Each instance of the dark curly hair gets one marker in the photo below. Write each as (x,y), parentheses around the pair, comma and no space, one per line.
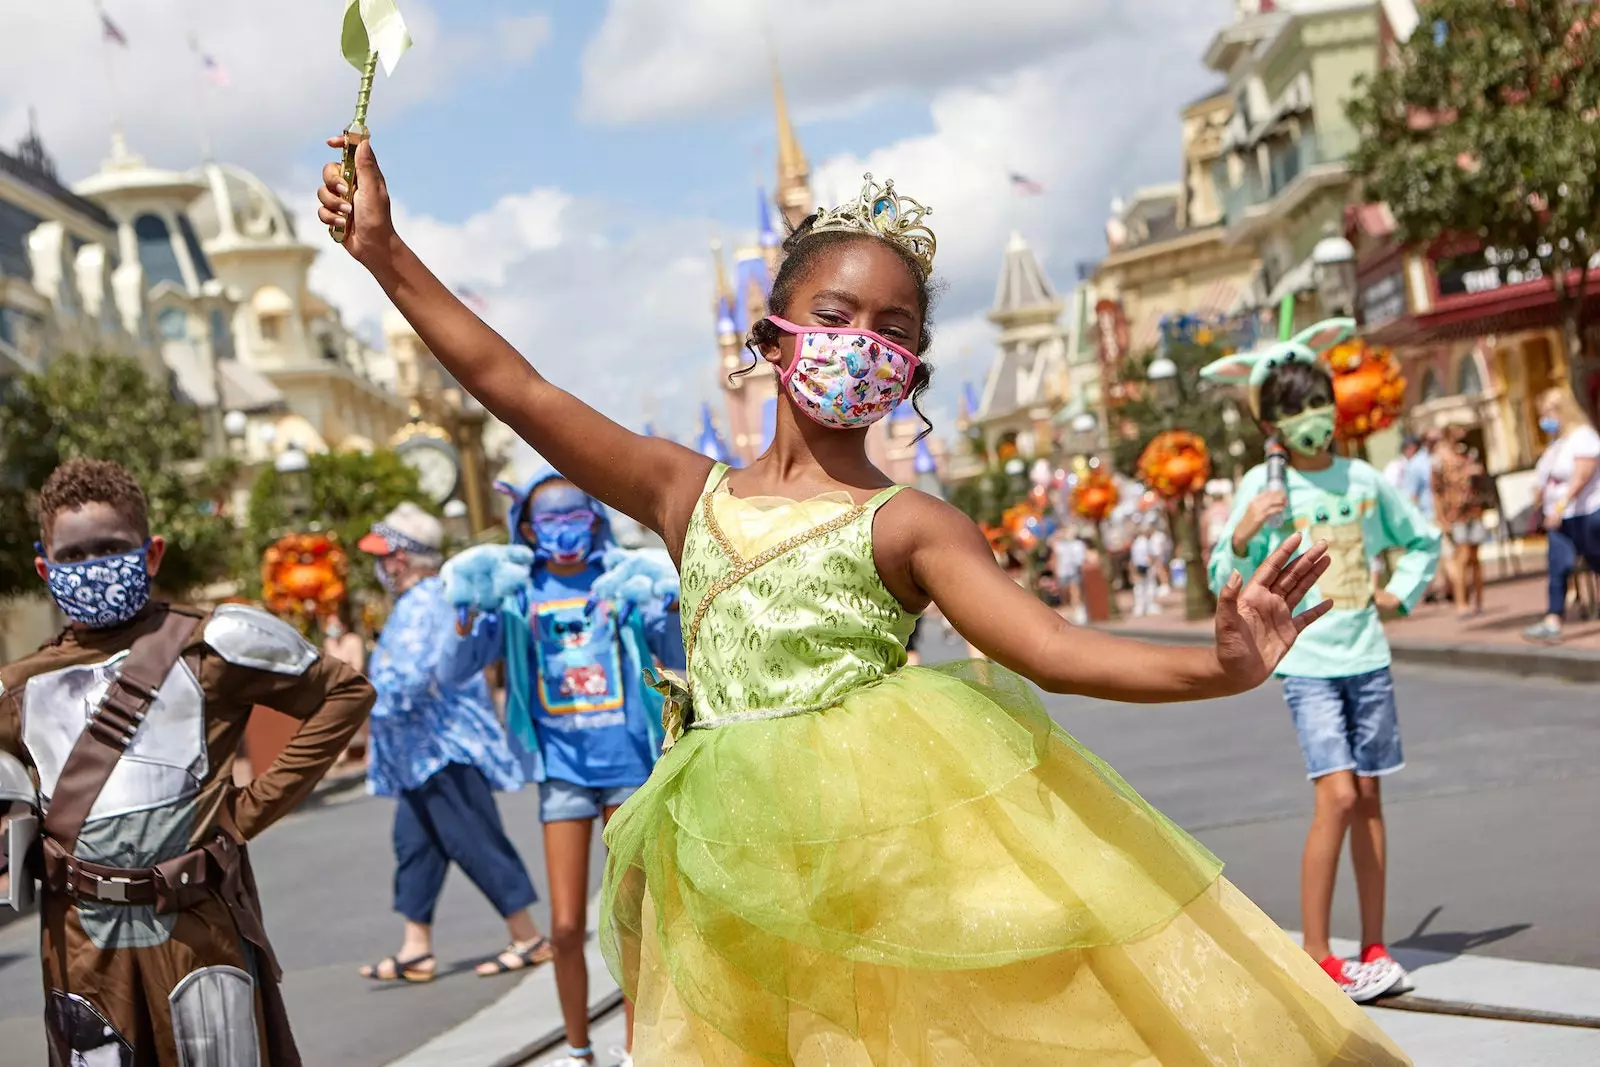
(1295,387)
(801,251)
(93,481)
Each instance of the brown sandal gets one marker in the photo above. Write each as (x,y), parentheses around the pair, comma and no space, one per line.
(528,956)
(403,970)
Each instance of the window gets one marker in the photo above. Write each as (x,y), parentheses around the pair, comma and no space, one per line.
(197,256)
(1470,380)
(156,254)
(15,225)
(221,335)
(271,328)
(173,324)
(1431,389)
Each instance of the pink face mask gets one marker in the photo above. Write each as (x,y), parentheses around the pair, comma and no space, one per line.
(846,379)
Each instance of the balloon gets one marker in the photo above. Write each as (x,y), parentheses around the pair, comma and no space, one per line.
(303,575)
(1175,464)
(1368,388)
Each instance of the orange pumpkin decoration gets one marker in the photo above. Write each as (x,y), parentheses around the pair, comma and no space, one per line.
(303,576)
(1175,464)
(1368,388)
(1095,495)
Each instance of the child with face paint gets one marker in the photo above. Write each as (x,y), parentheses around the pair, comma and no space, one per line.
(845,859)
(583,721)
(152,944)
(1336,678)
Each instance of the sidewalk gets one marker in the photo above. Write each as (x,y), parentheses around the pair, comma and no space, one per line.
(1434,635)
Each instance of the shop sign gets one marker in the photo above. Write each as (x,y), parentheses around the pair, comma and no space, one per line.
(1383,301)
(1111,324)
(1486,271)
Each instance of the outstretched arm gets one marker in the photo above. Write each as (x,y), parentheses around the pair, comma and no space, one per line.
(951,561)
(655,482)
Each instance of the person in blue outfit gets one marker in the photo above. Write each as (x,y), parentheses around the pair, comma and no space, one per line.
(578,622)
(437,747)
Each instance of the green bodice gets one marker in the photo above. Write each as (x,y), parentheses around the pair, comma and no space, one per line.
(791,629)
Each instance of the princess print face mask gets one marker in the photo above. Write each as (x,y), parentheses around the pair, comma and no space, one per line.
(101,593)
(846,379)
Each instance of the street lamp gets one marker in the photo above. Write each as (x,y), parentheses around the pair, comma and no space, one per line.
(1162,375)
(455,513)
(294,481)
(1333,263)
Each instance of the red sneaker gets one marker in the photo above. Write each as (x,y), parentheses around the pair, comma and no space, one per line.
(1377,957)
(1362,983)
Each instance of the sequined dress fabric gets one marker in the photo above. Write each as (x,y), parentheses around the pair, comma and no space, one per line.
(854,863)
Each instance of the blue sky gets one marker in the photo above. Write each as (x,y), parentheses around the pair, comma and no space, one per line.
(571,159)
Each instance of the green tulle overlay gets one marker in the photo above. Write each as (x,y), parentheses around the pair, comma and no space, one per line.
(937,820)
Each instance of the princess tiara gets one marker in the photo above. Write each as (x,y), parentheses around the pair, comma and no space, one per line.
(884,213)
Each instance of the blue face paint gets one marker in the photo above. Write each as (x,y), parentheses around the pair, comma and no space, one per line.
(563,521)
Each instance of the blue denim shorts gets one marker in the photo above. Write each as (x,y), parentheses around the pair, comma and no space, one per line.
(1346,724)
(561,801)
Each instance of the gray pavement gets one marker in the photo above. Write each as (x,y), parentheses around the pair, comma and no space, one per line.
(1492,852)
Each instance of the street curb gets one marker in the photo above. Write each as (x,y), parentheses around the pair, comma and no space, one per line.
(1582,668)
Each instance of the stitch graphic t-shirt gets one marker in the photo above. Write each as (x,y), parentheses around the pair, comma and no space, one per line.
(1360,515)
(581,693)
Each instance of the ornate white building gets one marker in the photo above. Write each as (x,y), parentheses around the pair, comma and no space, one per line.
(1028,381)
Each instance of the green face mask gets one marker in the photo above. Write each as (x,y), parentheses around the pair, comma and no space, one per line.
(1309,432)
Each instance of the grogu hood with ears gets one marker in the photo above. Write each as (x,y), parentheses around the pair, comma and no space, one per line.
(519,495)
(1251,369)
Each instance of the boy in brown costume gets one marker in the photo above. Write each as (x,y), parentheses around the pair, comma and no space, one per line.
(128,723)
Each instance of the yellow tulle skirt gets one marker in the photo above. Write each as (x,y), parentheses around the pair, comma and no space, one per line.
(933,874)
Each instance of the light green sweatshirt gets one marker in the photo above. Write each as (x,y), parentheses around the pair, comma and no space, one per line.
(1360,515)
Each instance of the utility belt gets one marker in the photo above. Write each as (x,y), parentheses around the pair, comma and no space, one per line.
(173,885)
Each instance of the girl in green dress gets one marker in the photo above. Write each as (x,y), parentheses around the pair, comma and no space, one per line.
(846,860)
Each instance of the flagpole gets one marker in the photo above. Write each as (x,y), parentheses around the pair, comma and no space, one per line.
(203,101)
(119,144)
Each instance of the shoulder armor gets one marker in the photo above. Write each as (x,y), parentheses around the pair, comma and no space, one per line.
(16,784)
(249,637)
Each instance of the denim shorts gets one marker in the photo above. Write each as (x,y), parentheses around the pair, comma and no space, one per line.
(561,801)
(1346,724)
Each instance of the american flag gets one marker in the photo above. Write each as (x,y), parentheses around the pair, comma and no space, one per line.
(216,73)
(110,32)
(472,299)
(1026,186)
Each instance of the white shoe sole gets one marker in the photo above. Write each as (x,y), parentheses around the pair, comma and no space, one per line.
(1372,983)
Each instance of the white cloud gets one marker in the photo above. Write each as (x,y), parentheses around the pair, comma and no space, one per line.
(289,82)
(652,60)
(621,320)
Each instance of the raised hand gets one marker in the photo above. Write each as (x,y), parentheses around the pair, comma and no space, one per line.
(1256,623)
(369,227)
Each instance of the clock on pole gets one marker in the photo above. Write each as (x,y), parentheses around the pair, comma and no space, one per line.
(437,463)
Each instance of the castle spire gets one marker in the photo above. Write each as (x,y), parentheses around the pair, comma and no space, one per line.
(724,291)
(794,173)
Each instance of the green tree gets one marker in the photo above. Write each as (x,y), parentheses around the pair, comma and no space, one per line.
(1484,128)
(349,492)
(106,407)
(1199,409)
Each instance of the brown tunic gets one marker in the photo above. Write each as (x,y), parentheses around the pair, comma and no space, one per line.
(125,961)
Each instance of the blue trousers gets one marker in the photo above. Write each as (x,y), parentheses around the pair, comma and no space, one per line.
(1578,536)
(453,817)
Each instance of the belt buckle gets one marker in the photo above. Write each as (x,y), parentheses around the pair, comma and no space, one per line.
(111,890)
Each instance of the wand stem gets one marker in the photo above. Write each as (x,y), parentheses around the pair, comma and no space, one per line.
(354,134)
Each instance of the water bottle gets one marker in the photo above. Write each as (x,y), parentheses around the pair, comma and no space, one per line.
(1277,466)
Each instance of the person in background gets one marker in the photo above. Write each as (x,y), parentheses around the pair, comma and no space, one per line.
(1067,555)
(342,640)
(1456,476)
(1394,472)
(1567,497)
(1161,559)
(438,749)
(1336,679)
(1141,560)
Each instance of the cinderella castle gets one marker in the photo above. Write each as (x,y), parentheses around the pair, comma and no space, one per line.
(750,400)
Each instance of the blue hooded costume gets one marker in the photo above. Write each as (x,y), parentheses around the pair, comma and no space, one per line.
(575,647)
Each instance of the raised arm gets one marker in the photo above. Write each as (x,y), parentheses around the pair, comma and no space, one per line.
(951,561)
(654,481)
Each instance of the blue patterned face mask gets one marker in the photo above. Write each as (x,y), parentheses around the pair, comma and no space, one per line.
(101,593)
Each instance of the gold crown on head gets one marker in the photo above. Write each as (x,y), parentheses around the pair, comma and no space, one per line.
(882,212)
